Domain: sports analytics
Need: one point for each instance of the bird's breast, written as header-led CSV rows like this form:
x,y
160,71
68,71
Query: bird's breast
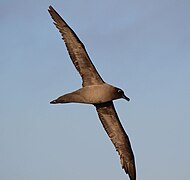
x,y
97,94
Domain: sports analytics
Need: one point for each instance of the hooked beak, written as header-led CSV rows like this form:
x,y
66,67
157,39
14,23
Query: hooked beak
x,y
125,97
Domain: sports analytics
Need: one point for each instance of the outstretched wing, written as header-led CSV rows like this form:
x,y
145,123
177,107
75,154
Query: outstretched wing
x,y
119,138
76,51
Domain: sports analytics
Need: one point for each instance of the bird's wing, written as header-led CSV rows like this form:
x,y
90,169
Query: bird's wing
x,y
76,51
119,138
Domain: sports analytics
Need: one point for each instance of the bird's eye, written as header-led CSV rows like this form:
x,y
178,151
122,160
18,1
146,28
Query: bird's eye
x,y
119,91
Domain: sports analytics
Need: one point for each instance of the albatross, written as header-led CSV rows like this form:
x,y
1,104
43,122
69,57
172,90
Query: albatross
x,y
96,92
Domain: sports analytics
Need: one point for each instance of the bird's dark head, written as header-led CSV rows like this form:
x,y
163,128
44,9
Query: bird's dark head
x,y
120,94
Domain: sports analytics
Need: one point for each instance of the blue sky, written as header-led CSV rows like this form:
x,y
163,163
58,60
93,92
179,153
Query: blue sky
x,y
141,46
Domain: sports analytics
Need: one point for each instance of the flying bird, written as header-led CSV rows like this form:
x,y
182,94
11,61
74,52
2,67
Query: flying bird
x,y
97,92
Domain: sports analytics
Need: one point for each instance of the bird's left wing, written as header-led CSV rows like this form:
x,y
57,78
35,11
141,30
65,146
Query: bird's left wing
x,y
119,138
76,51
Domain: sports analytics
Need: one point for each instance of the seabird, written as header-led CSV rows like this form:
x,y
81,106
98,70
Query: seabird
x,y
97,92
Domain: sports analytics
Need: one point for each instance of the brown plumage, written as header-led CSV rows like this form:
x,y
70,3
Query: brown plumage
x,y
119,138
76,51
95,91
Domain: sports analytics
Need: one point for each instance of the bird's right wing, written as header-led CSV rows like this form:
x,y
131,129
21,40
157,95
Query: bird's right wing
x,y
76,51
119,138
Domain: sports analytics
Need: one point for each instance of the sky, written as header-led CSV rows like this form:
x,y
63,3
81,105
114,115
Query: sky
x,y
140,46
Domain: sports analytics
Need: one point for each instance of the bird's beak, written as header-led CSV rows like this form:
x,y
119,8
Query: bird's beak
x,y
125,97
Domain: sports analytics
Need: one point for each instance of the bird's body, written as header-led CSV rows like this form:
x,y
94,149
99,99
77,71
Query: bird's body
x,y
97,92
94,94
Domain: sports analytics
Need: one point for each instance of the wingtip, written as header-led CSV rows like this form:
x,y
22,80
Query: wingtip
x,y
51,8
130,170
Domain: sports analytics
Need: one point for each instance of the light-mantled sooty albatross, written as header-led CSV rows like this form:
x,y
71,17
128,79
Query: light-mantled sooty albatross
x,y
97,92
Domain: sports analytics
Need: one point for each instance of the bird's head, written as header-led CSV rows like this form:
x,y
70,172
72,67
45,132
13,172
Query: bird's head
x,y
120,94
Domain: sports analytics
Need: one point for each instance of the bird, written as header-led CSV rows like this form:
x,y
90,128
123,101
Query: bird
x,y
97,92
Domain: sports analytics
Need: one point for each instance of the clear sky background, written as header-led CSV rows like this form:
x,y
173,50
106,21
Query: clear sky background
x,y
141,46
